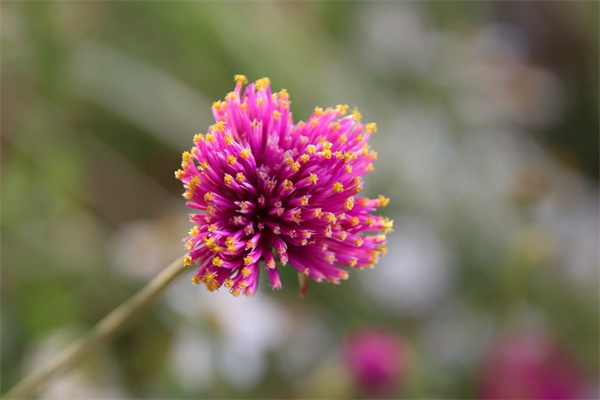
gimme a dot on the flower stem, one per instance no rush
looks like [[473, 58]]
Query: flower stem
[[104, 330]]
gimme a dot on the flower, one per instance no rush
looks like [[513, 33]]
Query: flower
[[266, 187], [376, 361], [529, 365]]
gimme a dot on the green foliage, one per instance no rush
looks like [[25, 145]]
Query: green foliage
[[100, 98]]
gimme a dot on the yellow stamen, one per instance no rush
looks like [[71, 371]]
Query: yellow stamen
[[195, 279], [187, 260], [227, 179], [262, 83], [331, 218], [383, 201], [245, 272], [342, 108], [239, 177], [208, 196], [388, 224], [210, 282], [240, 79], [230, 244], [179, 174], [219, 126], [231, 96], [356, 114], [371, 127], [287, 184], [217, 261], [350, 155], [186, 156], [228, 140], [349, 203], [248, 260], [245, 153], [231, 159], [313, 178], [311, 149], [338, 187]]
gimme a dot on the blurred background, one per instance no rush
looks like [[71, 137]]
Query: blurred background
[[488, 148]]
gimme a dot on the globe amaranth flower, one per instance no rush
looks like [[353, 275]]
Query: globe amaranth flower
[[269, 189], [529, 364], [376, 361]]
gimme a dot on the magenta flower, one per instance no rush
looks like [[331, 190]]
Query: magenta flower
[[529, 365], [267, 187], [376, 361]]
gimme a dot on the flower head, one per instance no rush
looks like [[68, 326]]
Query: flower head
[[529, 365], [268, 189], [376, 361]]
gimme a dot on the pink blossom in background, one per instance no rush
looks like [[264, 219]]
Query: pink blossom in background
[[376, 361], [267, 189], [529, 365]]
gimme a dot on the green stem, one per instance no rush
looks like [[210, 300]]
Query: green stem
[[104, 330]]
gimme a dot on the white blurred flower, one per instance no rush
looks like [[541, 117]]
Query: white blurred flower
[[416, 273], [393, 40], [248, 328], [191, 359], [141, 249], [78, 383]]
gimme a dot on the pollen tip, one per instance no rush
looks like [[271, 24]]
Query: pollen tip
[[338, 187], [262, 83], [240, 79]]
